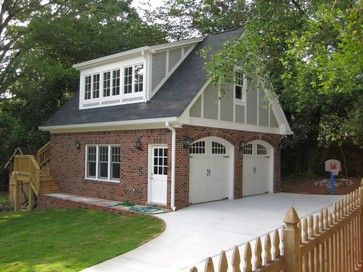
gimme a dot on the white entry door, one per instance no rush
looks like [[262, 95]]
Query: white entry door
[[210, 170], [257, 166], [158, 184]]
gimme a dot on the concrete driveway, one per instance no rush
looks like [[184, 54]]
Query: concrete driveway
[[203, 230]]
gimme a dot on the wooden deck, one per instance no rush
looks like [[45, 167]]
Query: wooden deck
[[30, 177]]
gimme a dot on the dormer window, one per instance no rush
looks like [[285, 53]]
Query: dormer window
[[106, 84], [87, 87], [133, 78], [96, 86], [113, 84], [116, 82]]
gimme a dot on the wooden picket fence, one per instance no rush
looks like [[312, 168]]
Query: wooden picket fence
[[331, 240]]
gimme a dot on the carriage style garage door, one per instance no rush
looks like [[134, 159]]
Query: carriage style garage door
[[257, 168], [211, 169]]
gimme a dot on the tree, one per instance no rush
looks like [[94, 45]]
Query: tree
[[309, 53], [37, 75], [187, 18]]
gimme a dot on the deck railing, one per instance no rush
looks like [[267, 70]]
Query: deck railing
[[43, 155], [26, 170], [330, 240]]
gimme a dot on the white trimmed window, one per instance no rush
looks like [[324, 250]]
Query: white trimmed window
[[239, 88], [96, 85], [106, 84], [103, 162], [115, 82], [133, 79], [87, 87]]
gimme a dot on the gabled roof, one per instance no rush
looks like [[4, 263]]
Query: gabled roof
[[170, 101]]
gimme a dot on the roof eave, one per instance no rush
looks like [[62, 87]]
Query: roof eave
[[109, 126]]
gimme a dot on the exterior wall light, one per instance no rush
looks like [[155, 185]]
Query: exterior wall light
[[187, 142], [77, 144], [138, 144], [241, 146]]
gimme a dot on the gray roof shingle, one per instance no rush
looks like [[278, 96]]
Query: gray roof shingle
[[170, 101]]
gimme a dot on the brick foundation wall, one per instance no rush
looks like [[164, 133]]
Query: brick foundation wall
[[68, 162], [46, 202]]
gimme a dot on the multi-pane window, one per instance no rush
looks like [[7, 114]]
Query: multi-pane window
[[103, 162], [91, 161], [160, 161], [218, 148], [115, 162], [96, 85], [239, 92], [87, 87], [128, 80], [106, 84], [115, 82], [261, 150], [139, 78], [247, 149], [197, 148]]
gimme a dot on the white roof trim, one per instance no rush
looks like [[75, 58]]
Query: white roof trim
[[140, 123], [136, 51]]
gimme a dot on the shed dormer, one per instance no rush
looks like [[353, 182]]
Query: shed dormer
[[132, 76]]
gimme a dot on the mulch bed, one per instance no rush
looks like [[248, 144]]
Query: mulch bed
[[321, 187]]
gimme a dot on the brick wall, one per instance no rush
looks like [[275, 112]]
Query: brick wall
[[68, 162], [232, 136]]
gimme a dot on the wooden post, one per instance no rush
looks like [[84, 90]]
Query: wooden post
[[31, 198], [292, 242], [16, 193]]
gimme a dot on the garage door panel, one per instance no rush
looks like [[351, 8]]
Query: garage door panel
[[209, 172], [256, 169]]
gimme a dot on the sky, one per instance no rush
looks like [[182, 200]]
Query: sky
[[142, 4]]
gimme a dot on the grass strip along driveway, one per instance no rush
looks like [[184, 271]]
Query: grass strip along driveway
[[69, 239]]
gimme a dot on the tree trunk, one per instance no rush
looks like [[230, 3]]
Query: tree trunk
[[344, 161]]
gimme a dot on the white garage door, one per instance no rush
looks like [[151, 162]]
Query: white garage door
[[257, 165], [210, 167]]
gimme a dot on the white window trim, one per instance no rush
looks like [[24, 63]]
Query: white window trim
[[109, 179], [133, 93], [112, 100], [244, 91]]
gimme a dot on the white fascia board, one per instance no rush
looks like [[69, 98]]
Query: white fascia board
[[109, 126], [112, 58], [133, 52], [165, 46], [194, 121]]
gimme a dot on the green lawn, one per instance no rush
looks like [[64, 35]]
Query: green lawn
[[69, 239], [4, 196]]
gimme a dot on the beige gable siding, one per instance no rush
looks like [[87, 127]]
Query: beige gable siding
[[239, 114], [273, 120], [196, 109], [158, 68], [251, 107], [256, 111], [226, 107], [211, 103], [174, 56], [263, 109]]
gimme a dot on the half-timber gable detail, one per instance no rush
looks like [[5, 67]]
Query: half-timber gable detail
[[260, 112]]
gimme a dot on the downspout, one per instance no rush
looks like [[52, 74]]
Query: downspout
[[173, 148]]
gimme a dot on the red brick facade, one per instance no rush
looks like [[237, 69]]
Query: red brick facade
[[68, 162]]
